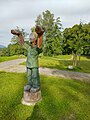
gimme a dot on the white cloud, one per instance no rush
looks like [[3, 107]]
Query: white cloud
[[24, 12]]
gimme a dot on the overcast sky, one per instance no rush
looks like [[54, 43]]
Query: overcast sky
[[23, 13]]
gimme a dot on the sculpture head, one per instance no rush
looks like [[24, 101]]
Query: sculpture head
[[33, 37]]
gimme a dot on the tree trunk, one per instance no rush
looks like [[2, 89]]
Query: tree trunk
[[74, 60], [79, 56]]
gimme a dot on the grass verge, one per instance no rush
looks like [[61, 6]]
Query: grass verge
[[62, 99], [63, 64], [2, 59]]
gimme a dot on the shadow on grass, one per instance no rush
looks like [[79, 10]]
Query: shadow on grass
[[61, 101], [87, 56], [37, 114], [55, 104]]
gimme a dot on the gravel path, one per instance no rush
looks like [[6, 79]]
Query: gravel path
[[13, 66]]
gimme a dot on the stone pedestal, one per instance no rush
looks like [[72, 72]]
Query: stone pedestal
[[30, 98]]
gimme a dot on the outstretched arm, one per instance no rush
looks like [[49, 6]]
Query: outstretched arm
[[40, 31], [16, 32], [40, 41]]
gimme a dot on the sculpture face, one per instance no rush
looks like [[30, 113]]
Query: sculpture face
[[33, 37]]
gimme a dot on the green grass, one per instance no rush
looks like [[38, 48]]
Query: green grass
[[63, 99], [57, 63], [2, 59], [63, 64], [60, 62], [58, 57]]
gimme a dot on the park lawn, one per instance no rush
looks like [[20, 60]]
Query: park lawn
[[59, 57], [62, 99], [7, 58], [62, 63], [2, 59], [52, 62]]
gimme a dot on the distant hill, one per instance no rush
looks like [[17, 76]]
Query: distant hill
[[2, 46]]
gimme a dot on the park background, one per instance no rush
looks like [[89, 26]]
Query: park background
[[66, 42]]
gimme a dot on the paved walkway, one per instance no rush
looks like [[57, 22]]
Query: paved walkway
[[14, 66]]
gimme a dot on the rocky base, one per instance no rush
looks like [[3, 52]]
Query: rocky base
[[30, 98]]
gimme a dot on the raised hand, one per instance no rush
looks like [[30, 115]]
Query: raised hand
[[16, 32], [39, 30], [19, 34]]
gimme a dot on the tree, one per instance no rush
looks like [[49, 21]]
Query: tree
[[15, 49], [75, 40], [4, 52], [39, 20], [57, 36], [52, 36], [86, 38]]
